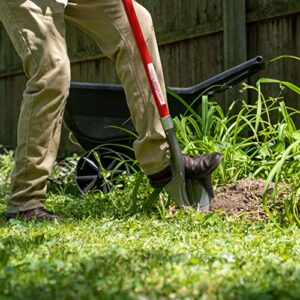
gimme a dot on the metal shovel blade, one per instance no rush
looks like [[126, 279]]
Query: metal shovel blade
[[200, 193], [176, 188]]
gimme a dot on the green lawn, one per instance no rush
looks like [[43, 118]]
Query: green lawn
[[116, 247], [95, 255]]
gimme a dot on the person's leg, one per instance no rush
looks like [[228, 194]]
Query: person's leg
[[107, 23], [37, 30]]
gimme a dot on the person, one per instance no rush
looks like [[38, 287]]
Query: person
[[37, 31]]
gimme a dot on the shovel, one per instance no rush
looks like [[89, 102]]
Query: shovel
[[196, 193]]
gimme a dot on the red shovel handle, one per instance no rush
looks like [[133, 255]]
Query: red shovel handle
[[158, 95]]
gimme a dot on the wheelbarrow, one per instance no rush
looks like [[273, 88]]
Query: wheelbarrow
[[104, 132]]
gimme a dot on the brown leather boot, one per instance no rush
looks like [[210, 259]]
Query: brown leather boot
[[196, 167], [38, 214]]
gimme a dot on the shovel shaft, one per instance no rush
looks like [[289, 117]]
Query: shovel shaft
[[158, 95], [177, 163], [177, 187]]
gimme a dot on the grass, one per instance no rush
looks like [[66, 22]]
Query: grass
[[104, 251], [183, 256], [128, 244], [108, 250]]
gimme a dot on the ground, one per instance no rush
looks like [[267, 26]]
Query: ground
[[244, 196]]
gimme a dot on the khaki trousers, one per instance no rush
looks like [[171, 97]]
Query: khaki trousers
[[37, 30]]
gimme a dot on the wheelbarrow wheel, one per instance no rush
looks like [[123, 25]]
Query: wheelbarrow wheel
[[98, 169]]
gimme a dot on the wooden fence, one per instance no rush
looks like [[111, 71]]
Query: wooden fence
[[197, 39]]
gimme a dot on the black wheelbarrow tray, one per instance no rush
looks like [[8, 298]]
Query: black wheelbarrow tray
[[96, 114]]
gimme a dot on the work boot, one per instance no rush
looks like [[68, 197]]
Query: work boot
[[38, 214], [197, 167]]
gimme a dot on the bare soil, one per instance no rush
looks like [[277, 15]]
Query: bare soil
[[241, 197]]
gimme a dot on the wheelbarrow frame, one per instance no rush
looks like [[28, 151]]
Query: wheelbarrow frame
[[95, 111]]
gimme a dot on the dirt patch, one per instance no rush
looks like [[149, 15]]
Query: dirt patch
[[241, 197]]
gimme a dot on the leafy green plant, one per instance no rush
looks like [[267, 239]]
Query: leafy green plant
[[254, 144], [285, 172]]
